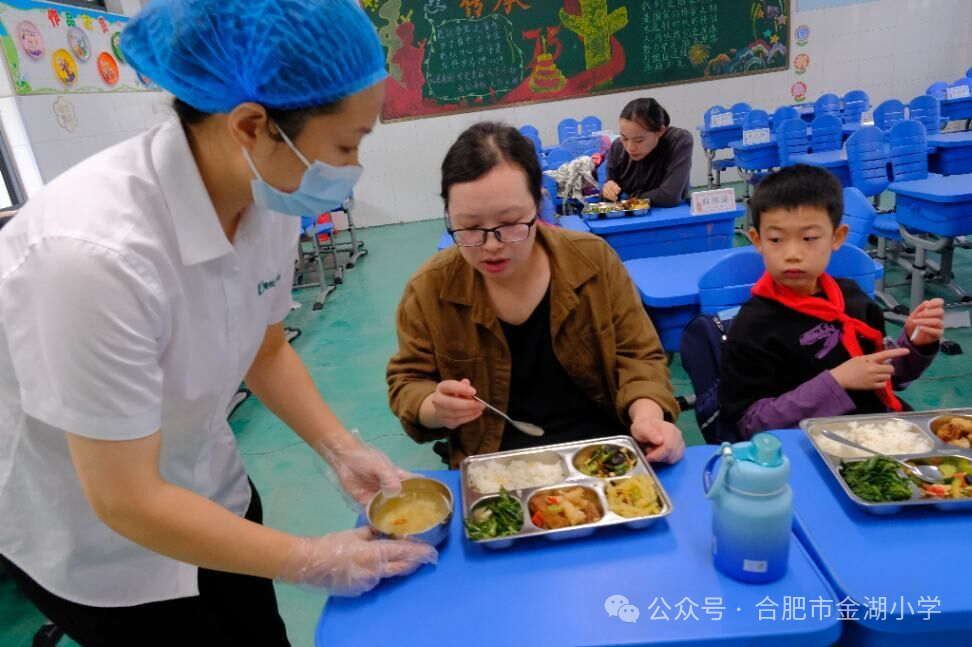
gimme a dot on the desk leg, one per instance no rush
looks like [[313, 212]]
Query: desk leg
[[709, 156]]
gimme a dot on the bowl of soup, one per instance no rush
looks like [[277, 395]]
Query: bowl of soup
[[422, 511]]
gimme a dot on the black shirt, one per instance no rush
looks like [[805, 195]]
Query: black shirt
[[662, 176], [773, 349], [542, 393]]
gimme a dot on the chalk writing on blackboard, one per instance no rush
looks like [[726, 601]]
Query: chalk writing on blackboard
[[475, 57], [678, 35]]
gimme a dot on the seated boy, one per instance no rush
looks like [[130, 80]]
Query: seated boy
[[808, 345]]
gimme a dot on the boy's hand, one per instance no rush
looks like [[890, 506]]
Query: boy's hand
[[867, 372], [611, 190], [930, 317]]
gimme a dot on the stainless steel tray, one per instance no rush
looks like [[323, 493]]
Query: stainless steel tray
[[923, 422], [613, 213], [565, 454]]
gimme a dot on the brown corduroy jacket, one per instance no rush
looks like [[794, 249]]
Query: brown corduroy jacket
[[447, 330]]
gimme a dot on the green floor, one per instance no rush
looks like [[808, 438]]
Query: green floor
[[346, 346]]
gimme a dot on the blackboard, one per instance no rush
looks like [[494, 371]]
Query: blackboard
[[447, 56]]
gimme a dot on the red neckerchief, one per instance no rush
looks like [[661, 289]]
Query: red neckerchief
[[829, 310]]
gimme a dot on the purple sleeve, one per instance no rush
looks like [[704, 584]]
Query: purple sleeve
[[818, 397], [909, 368]]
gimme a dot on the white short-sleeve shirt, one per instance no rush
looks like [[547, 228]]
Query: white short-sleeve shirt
[[125, 310]]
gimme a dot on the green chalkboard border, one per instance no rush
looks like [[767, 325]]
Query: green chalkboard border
[[634, 88]]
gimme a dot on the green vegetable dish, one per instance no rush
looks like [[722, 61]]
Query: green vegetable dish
[[876, 479], [497, 517], [607, 461]]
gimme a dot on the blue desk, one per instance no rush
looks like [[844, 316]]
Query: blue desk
[[669, 288], [542, 592], [907, 555], [940, 205], [714, 139], [956, 109], [574, 223], [446, 241], [667, 232], [953, 155], [833, 161], [756, 157]]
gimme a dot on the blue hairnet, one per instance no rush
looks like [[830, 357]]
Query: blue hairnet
[[282, 54]]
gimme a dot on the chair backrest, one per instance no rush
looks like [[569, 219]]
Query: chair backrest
[[792, 139], [856, 103], [756, 119], [926, 109], [827, 104], [566, 129], [965, 80], [867, 160], [968, 72], [527, 129], [714, 110], [590, 125], [582, 145], [937, 89], [826, 134], [739, 112], [783, 113], [909, 151], [556, 157], [602, 169], [888, 114], [859, 215], [729, 282]]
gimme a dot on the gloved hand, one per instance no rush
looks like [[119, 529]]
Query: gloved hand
[[351, 562], [361, 471]]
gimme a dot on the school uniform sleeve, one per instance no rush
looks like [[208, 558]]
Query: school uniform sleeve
[[749, 387], [671, 191], [641, 361], [412, 373], [614, 157], [909, 368], [85, 329]]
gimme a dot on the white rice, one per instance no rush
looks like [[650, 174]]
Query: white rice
[[487, 477], [892, 438]]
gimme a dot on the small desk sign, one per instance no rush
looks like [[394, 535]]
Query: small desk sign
[[756, 136], [720, 120], [960, 91], [714, 201]]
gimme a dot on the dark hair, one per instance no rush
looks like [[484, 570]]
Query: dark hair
[[647, 113], [484, 146], [291, 122], [796, 186]]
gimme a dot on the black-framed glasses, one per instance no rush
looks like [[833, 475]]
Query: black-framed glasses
[[515, 232]]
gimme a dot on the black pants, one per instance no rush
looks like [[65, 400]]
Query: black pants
[[229, 610]]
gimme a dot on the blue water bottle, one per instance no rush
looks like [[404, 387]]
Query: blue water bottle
[[752, 509]]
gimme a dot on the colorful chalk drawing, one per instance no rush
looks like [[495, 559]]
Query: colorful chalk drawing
[[595, 26]]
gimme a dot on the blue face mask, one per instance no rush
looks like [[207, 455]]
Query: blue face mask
[[323, 187]]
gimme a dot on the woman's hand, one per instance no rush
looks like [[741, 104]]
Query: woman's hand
[[360, 470], [662, 440], [930, 317], [351, 562], [611, 190], [450, 405]]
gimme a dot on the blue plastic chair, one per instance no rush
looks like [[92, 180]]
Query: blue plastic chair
[[827, 104], [792, 139], [567, 129], [859, 215], [590, 125], [856, 103], [783, 113], [527, 129], [535, 140], [739, 112], [578, 146], [926, 109], [937, 89], [602, 169], [868, 161], [909, 151], [729, 282], [756, 119], [888, 114], [965, 80], [556, 157], [714, 110], [826, 134], [968, 72]]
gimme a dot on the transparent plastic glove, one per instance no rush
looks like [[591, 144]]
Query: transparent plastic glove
[[351, 562], [360, 471]]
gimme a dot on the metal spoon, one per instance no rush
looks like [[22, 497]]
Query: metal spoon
[[927, 473], [525, 427]]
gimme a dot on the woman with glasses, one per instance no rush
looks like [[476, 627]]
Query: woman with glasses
[[540, 322]]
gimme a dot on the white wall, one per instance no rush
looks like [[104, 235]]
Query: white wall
[[889, 48]]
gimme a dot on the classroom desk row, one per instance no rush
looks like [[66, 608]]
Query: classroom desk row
[[852, 579]]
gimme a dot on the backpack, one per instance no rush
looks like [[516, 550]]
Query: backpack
[[701, 351]]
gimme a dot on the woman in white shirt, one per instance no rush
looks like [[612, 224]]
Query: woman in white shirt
[[138, 289]]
